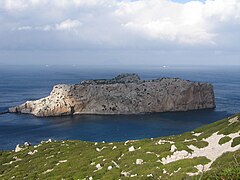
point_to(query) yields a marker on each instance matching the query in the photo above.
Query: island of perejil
(124, 94)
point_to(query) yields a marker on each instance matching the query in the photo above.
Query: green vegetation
(236, 141)
(199, 144)
(89, 160)
(226, 167)
(224, 140)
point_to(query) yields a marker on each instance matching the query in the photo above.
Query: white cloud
(46, 28)
(24, 28)
(114, 23)
(68, 25)
(190, 23)
(12, 5)
(222, 10)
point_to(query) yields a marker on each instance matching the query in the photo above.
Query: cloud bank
(113, 24)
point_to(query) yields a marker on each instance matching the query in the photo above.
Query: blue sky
(120, 32)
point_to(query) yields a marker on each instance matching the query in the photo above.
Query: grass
(224, 140)
(236, 141)
(199, 144)
(78, 159)
(226, 167)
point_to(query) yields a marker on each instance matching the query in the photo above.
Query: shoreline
(4, 112)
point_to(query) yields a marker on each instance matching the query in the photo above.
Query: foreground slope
(211, 151)
(124, 94)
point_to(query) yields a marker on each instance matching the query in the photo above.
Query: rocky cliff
(124, 94)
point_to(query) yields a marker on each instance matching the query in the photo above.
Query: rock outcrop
(124, 94)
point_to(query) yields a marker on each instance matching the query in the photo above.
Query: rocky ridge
(124, 94)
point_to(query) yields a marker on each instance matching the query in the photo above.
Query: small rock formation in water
(124, 94)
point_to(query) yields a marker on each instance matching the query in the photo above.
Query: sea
(22, 83)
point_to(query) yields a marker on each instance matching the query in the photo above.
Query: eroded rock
(18, 148)
(131, 149)
(124, 94)
(139, 161)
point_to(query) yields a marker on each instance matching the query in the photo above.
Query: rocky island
(124, 94)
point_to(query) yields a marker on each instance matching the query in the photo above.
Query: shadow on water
(167, 118)
(101, 127)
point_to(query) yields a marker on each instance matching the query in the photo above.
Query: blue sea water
(21, 83)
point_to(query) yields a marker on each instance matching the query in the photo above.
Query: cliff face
(124, 94)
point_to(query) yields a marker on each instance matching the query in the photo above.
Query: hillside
(211, 151)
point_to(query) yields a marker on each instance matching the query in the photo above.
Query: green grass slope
(141, 159)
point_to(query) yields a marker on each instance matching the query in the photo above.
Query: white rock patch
(162, 141)
(131, 149)
(27, 144)
(129, 141)
(211, 152)
(133, 175)
(93, 163)
(47, 171)
(178, 155)
(125, 143)
(139, 161)
(62, 161)
(117, 166)
(233, 120)
(164, 171)
(99, 150)
(126, 174)
(173, 148)
(98, 166)
(197, 134)
(150, 175)
(49, 141)
(109, 168)
(32, 152)
(193, 174)
(18, 148)
(189, 140)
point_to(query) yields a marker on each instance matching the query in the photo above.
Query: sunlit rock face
(124, 94)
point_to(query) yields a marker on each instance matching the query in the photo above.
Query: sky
(120, 32)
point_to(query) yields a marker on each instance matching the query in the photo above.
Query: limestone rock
(32, 152)
(126, 174)
(131, 149)
(173, 148)
(98, 166)
(124, 94)
(18, 148)
(26, 144)
(109, 168)
(150, 175)
(139, 161)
